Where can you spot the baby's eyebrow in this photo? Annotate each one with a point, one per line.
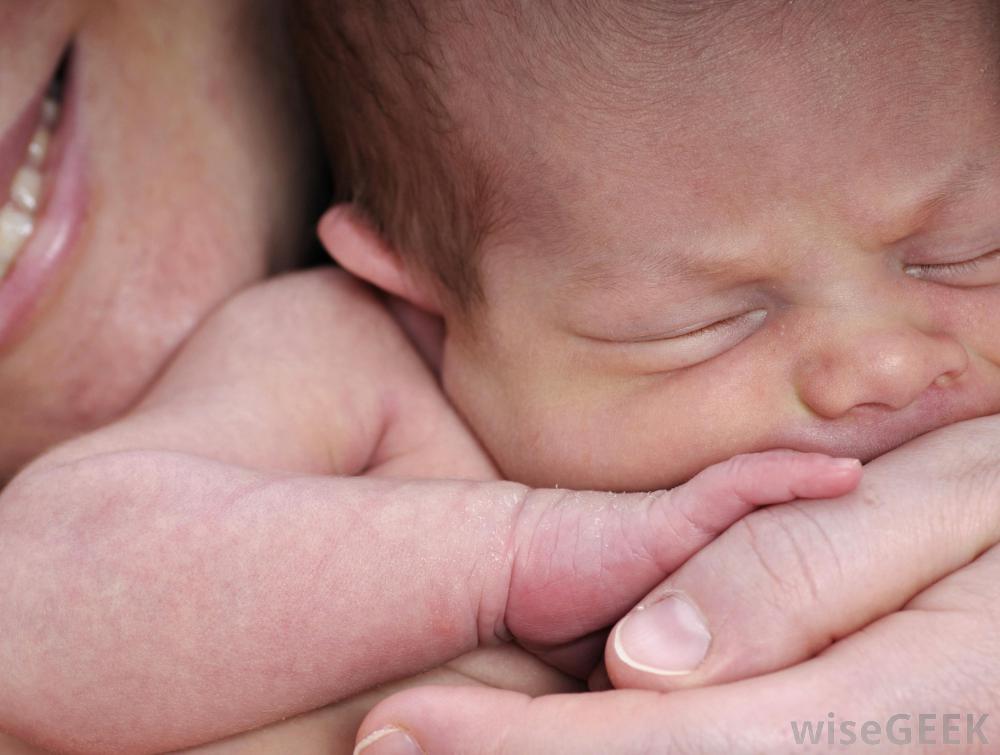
(708, 258)
(712, 259)
(968, 178)
(656, 266)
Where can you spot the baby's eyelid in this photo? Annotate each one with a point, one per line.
(927, 271)
(753, 317)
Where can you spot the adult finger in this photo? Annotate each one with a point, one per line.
(926, 677)
(787, 581)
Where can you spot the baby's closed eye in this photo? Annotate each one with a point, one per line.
(983, 270)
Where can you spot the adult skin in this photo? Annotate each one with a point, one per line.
(179, 123)
(798, 587)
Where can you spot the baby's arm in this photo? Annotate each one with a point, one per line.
(190, 572)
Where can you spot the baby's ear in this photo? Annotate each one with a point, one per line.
(359, 249)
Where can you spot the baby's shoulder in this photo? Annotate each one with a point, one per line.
(304, 373)
(341, 347)
(310, 322)
(316, 354)
(319, 289)
(302, 303)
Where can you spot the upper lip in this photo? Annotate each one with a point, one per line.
(868, 432)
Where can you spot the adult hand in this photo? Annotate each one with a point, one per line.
(780, 587)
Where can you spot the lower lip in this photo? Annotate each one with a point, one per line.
(46, 252)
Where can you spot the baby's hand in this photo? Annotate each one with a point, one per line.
(580, 565)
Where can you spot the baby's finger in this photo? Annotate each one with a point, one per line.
(723, 492)
(582, 559)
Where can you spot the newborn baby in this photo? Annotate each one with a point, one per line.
(657, 236)
(660, 234)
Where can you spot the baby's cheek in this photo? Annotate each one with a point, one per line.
(634, 434)
(549, 422)
(973, 319)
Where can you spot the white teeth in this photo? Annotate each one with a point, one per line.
(17, 215)
(26, 188)
(15, 226)
(50, 112)
(15, 223)
(39, 146)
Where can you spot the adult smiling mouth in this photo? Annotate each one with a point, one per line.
(41, 164)
(23, 152)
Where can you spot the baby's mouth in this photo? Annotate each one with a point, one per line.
(26, 150)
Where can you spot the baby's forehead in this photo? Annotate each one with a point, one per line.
(837, 106)
(645, 62)
(552, 44)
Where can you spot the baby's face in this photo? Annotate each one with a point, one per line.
(802, 250)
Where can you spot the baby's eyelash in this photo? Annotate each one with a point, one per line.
(757, 314)
(950, 268)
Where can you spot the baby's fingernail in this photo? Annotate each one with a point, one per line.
(847, 463)
(668, 637)
(389, 740)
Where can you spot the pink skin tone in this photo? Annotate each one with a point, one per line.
(218, 537)
(112, 281)
(832, 594)
(182, 439)
(813, 228)
(844, 256)
(82, 339)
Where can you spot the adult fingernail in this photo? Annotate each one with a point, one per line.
(389, 740)
(666, 637)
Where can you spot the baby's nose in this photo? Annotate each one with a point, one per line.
(887, 367)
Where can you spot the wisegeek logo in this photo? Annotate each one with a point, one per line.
(940, 729)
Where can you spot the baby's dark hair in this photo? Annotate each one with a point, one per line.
(373, 67)
(382, 75)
